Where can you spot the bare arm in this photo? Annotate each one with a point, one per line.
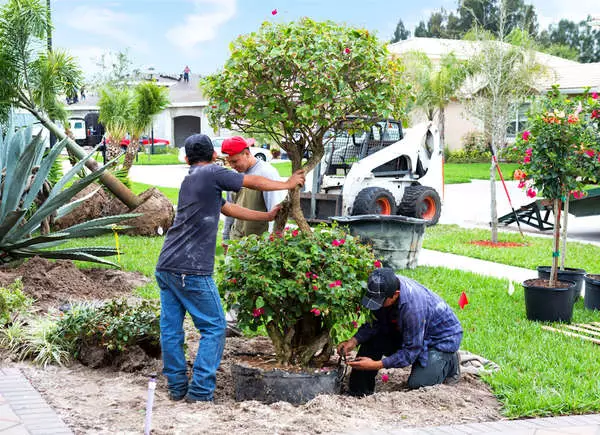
(257, 182)
(239, 212)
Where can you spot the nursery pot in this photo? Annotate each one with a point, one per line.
(275, 385)
(396, 239)
(547, 304)
(569, 274)
(591, 299)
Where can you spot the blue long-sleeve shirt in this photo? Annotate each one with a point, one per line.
(423, 320)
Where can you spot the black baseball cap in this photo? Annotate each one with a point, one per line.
(198, 147)
(382, 284)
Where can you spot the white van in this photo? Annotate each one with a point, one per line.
(77, 127)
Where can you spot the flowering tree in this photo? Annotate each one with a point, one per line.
(561, 150)
(303, 290)
(295, 81)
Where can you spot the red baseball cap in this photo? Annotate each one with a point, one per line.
(236, 144)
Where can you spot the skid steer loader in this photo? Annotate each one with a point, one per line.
(381, 171)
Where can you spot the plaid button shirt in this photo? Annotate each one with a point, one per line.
(424, 320)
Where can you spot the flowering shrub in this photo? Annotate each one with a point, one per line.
(560, 151)
(299, 287)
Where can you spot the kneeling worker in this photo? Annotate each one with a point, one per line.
(412, 326)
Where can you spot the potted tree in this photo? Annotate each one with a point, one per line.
(305, 289)
(293, 82)
(560, 151)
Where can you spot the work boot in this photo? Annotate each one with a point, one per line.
(454, 373)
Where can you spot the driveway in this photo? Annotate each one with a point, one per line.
(467, 205)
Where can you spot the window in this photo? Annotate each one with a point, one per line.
(519, 123)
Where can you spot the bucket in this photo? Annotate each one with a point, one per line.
(396, 240)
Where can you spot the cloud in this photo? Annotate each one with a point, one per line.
(109, 24)
(203, 24)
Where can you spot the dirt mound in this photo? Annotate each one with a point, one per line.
(54, 283)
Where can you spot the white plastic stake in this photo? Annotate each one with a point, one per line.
(149, 404)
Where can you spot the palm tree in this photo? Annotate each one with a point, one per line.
(116, 114)
(32, 78)
(149, 100)
(434, 85)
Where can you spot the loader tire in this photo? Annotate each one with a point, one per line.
(421, 202)
(374, 200)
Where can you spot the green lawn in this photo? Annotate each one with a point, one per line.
(170, 192)
(537, 252)
(455, 173)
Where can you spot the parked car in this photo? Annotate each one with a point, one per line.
(145, 140)
(260, 153)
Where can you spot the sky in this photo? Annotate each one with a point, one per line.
(170, 34)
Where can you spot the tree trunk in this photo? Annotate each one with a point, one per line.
(563, 252)
(493, 211)
(556, 244)
(132, 149)
(111, 182)
(442, 127)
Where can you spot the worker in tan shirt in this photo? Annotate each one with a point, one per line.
(241, 159)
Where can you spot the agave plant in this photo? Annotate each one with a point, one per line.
(24, 170)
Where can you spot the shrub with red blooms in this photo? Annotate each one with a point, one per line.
(560, 151)
(303, 289)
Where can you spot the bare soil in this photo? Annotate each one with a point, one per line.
(490, 244)
(105, 401)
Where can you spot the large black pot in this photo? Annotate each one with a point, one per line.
(569, 274)
(591, 299)
(546, 304)
(270, 386)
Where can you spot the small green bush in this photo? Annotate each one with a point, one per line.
(474, 149)
(12, 302)
(114, 326)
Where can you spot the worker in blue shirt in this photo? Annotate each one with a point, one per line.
(412, 326)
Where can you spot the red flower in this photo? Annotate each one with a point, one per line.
(595, 114)
(295, 233)
(233, 281)
(521, 184)
(213, 107)
(331, 284)
(226, 100)
(573, 119)
(257, 312)
(590, 153)
(315, 287)
(308, 274)
(335, 242)
(526, 135)
(271, 237)
(315, 276)
(274, 12)
(354, 324)
(578, 194)
(377, 264)
(338, 283)
(529, 152)
(347, 50)
(385, 377)
(527, 159)
(316, 311)
(595, 95)
(342, 241)
(531, 193)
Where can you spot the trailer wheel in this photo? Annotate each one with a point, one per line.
(374, 200)
(421, 202)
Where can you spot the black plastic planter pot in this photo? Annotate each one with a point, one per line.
(270, 386)
(569, 274)
(396, 239)
(591, 299)
(544, 304)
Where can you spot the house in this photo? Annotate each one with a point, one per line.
(572, 77)
(185, 115)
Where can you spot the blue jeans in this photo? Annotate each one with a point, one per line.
(198, 295)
